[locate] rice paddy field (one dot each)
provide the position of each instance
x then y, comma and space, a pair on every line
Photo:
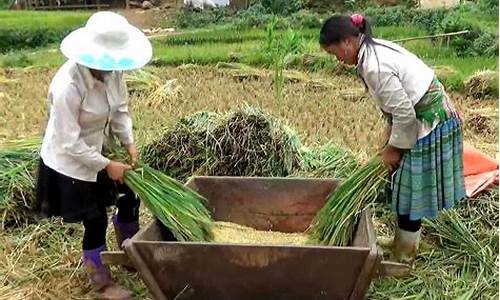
218, 70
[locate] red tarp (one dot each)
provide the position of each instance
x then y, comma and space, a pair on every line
480, 171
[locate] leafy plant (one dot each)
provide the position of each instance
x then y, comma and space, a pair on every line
189, 17
282, 7
279, 49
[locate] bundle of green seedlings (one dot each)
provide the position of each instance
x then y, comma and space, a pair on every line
18, 164
335, 223
180, 209
245, 142
329, 160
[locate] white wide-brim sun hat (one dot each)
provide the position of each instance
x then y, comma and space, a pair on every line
108, 43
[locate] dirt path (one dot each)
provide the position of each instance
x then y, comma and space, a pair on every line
163, 16
438, 3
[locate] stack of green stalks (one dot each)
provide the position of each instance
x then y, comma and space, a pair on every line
18, 163
179, 208
458, 255
182, 150
335, 223
329, 160
245, 142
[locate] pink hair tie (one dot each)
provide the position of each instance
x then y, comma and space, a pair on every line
357, 20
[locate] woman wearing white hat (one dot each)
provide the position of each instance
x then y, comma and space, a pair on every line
88, 104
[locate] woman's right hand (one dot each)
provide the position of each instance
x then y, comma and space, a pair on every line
116, 170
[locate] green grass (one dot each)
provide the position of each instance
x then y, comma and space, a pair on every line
205, 47
225, 35
4, 4
37, 19
482, 19
468, 66
32, 29
202, 54
461, 68
396, 32
27, 58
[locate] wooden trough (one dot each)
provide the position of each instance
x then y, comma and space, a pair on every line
188, 270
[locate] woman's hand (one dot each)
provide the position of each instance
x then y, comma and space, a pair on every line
391, 157
133, 155
116, 170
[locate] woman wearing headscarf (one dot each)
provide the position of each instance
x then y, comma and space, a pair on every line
424, 149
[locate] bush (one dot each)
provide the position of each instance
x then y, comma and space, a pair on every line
256, 17
429, 19
475, 43
16, 61
489, 5
194, 18
4, 4
304, 19
282, 7
486, 45
22, 38
393, 16
324, 5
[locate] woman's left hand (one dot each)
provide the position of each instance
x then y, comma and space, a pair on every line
391, 157
133, 155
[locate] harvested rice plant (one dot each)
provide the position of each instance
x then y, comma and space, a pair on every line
251, 94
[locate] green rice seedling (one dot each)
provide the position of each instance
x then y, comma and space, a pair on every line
18, 162
335, 223
179, 208
329, 160
458, 240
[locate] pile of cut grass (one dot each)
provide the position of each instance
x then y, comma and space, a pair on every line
458, 256
246, 142
329, 160
18, 162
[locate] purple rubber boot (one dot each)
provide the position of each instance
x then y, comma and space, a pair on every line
124, 231
100, 278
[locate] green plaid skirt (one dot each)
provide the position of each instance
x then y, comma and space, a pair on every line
430, 177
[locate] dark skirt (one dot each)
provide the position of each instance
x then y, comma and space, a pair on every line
73, 199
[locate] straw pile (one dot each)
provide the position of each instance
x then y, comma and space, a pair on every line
179, 208
482, 84
335, 223
182, 150
481, 124
153, 91
245, 142
227, 232
18, 163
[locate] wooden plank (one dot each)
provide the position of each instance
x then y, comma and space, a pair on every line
280, 204
145, 270
368, 272
116, 258
244, 272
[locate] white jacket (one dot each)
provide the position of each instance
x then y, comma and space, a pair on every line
397, 79
83, 113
